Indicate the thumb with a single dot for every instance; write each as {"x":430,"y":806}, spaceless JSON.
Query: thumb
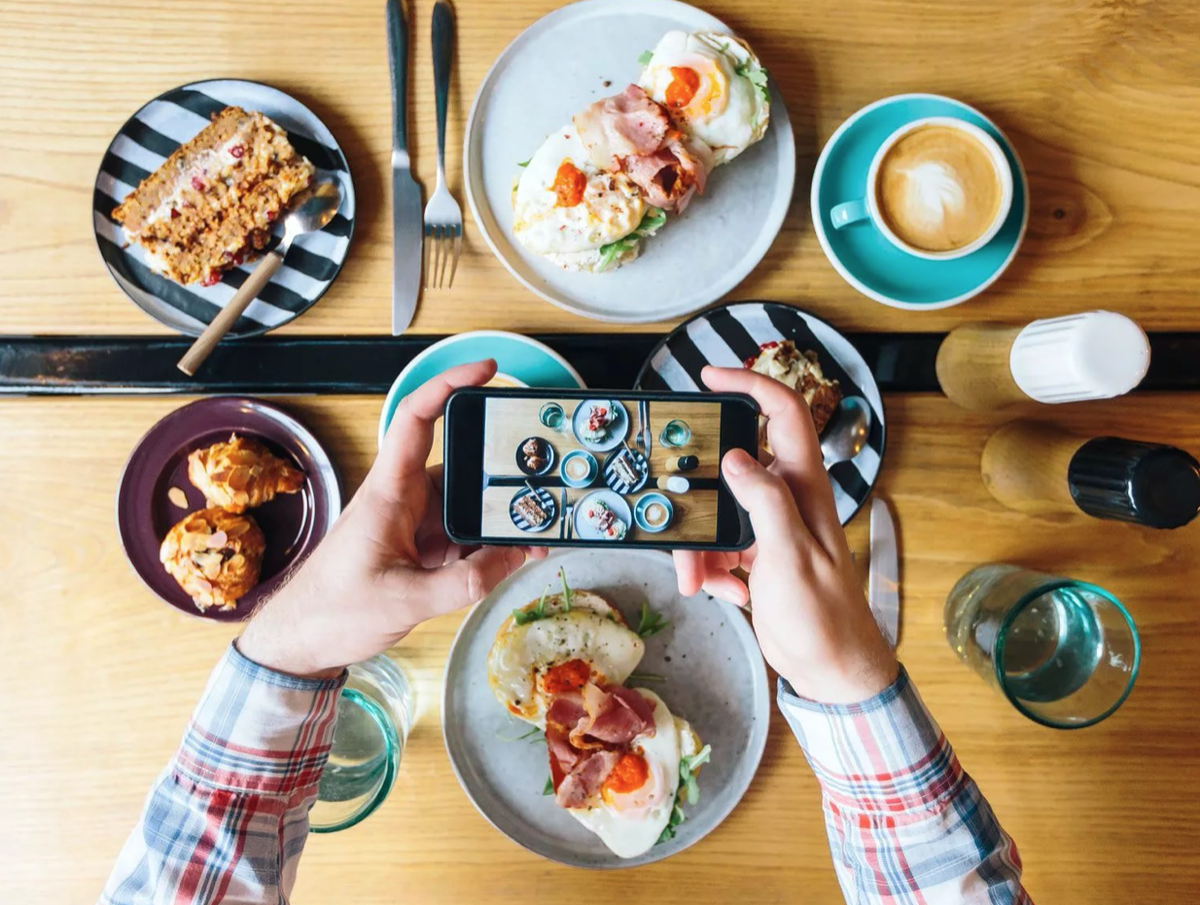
{"x":767,"y":497}
{"x":465,"y":582}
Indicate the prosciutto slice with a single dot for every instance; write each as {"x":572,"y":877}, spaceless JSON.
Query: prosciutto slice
{"x":673,"y":173}
{"x":586,"y":734}
{"x":628,"y":124}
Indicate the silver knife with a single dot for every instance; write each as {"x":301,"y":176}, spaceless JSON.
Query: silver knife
{"x":883,"y":582}
{"x":562,"y":514}
{"x":408,"y":229}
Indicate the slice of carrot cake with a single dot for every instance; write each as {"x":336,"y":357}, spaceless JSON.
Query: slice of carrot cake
{"x":212,"y":203}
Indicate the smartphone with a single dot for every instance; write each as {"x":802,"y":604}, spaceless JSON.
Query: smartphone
{"x":595,"y":468}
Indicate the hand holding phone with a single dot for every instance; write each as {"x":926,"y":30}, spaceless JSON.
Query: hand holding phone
{"x":595,"y":468}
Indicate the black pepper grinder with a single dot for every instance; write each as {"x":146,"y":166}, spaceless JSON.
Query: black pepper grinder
{"x":1043,"y":469}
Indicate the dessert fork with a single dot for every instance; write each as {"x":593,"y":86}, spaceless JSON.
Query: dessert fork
{"x":443,"y":216}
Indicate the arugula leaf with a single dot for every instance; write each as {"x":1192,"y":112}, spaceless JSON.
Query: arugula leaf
{"x":524,"y":617}
{"x":645,"y":57}
{"x":699,"y":759}
{"x":566,"y":594}
{"x":757,"y":76}
{"x":524,"y":163}
{"x":689,"y":790}
{"x":652,"y":221}
{"x":677,"y":817}
{"x":650,"y":623}
{"x":548,"y":789}
{"x":646,"y":677}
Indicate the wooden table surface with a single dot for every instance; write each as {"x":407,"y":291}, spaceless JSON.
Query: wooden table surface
{"x":1101,"y":98}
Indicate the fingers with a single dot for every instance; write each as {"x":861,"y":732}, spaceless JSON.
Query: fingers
{"x":689,"y":571}
{"x":794,"y":444}
{"x":464,"y":582}
{"x":727,"y":586}
{"x":410,"y":435}
{"x":773,"y":513}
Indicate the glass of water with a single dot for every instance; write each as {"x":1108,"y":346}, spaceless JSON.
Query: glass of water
{"x":552,"y":416}
{"x":1064,"y":652}
{"x":373,"y":718}
{"x":675,"y":433}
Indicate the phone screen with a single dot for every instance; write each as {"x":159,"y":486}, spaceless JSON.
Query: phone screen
{"x":587,"y":468}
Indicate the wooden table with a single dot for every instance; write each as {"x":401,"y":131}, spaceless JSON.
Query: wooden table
{"x":1101,"y":99}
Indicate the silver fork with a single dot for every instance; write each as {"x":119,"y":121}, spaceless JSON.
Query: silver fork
{"x":443,"y":216}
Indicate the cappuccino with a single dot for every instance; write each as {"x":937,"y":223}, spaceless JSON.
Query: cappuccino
{"x":937,"y":188}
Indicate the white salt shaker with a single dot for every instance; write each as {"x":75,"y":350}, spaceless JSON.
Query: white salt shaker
{"x":1094,"y":355}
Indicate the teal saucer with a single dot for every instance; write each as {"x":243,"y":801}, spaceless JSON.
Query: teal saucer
{"x":860,"y":253}
{"x":529,"y":361}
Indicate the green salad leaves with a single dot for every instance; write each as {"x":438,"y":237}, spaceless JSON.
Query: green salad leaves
{"x":650,"y":622}
{"x":689,"y":790}
{"x":645,"y":57}
{"x":652,"y":222}
{"x":757,"y":76}
{"x":524,"y":617}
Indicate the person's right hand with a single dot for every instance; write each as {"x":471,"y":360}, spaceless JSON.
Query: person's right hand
{"x":809,"y":612}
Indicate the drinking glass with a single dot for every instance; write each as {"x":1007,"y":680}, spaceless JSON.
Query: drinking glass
{"x":675,"y":433}
{"x":1064,"y":652}
{"x":552,"y":416}
{"x":373,"y":718}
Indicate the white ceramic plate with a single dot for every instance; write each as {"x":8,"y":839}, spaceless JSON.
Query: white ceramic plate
{"x":617,"y":428}
{"x":555,"y":68}
{"x":715,"y":679}
{"x":583,"y":526}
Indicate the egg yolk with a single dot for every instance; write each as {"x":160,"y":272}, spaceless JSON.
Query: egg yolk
{"x":630,"y":773}
{"x":568,"y":185}
{"x":684,"y":82}
{"x":566,"y":676}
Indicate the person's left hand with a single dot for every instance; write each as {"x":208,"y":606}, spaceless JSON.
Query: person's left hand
{"x":386,"y":565}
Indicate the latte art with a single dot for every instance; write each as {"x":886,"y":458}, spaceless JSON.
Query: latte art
{"x":938,"y":189}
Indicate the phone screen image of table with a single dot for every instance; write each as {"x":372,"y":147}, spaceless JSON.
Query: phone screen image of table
{"x":598,"y":470}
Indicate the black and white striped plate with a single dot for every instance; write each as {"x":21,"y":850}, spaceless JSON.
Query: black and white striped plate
{"x":545,"y":500}
{"x":636,"y":461}
{"x":149,"y":137}
{"x":728,"y":335}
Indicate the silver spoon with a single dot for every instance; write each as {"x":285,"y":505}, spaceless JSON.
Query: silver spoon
{"x":315,"y":208}
{"x":846,"y":434}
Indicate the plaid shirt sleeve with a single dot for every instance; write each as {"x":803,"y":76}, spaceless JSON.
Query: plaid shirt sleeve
{"x":227,"y":820}
{"x":905,"y":823}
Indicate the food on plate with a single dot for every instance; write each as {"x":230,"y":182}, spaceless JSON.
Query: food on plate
{"x":801,"y":371}
{"x":557,"y":643}
{"x":529,"y":508}
{"x":620,"y":762}
{"x":214,"y":555}
{"x":713,"y":87}
{"x":533,"y":452}
{"x":178,"y":498}
{"x":212,"y":204}
{"x":625,"y":470}
{"x":600,"y":417}
{"x":604,"y":519}
{"x":241,"y":474}
{"x":606,"y":180}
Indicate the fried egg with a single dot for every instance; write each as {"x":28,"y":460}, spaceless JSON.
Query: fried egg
{"x":530,"y":663}
{"x":714,"y":88}
{"x":630,"y":820}
{"x":567,"y":209}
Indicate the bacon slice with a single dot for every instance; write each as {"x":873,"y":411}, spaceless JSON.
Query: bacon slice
{"x":614,"y":717}
{"x":673,"y":173}
{"x":586,"y":778}
{"x":624,"y":125}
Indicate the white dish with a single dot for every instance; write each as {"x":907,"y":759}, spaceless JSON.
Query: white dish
{"x":693,"y":262}
{"x":715,"y":679}
{"x":584,"y":530}
{"x":617,"y":428}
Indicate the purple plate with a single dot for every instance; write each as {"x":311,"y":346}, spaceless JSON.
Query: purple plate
{"x":293,"y":524}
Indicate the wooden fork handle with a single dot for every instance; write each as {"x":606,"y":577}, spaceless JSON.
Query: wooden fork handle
{"x":227,"y":316}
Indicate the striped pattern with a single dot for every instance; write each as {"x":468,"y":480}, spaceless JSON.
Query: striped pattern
{"x":727,"y":336}
{"x":149,"y":137}
{"x":906,"y":824}
{"x":636,"y":461}
{"x":547,"y":503}
{"x":228,"y":818}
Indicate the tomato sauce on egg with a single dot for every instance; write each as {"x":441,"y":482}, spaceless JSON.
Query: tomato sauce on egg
{"x":566,"y":676}
{"x":630,"y":773}
{"x":568,"y":185}
{"x":684,"y":82}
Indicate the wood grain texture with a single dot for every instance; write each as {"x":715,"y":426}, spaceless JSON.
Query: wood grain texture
{"x":1100,"y":97}
{"x":1102,"y":100}
{"x":101,"y":678}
